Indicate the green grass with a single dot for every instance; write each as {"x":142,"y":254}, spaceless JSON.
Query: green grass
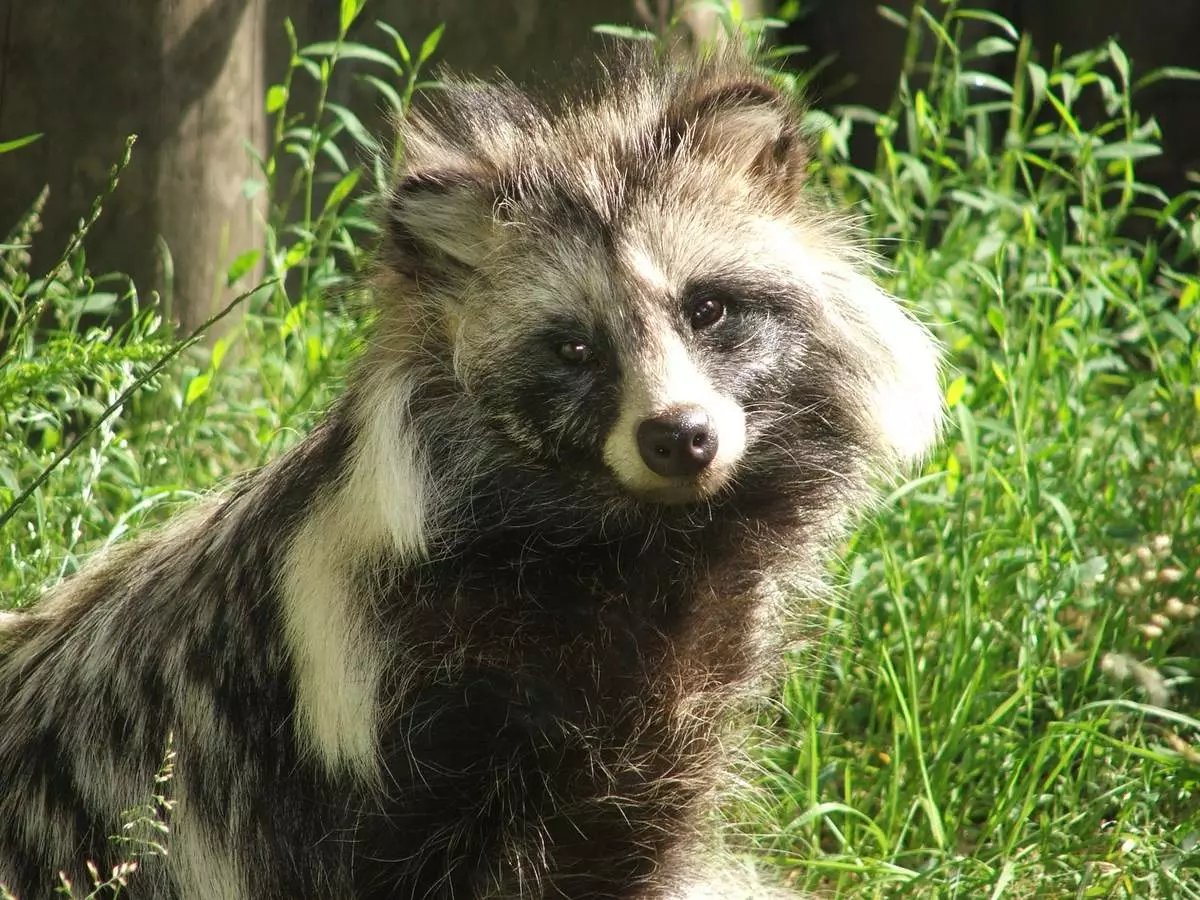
{"x":1005,"y":699}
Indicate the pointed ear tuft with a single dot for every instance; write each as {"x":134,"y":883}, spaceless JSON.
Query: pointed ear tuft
{"x":746,"y":124}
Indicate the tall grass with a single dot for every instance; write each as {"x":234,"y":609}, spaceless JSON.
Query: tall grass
{"x":1004,"y":701}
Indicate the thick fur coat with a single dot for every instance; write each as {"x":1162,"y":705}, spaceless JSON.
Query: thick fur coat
{"x":486,"y":630}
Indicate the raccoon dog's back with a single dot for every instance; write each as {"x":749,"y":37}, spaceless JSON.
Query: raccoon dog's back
{"x":484,"y":631}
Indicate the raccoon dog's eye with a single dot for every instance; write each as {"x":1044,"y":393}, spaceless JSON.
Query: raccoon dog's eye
{"x":576,"y":353}
{"x":706,"y":311}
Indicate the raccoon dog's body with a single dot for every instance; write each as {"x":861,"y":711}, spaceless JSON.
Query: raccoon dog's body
{"x":481,"y":633}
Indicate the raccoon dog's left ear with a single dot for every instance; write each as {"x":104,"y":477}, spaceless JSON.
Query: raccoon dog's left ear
{"x":746,"y":124}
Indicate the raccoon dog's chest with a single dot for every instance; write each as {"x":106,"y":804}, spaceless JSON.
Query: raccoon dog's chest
{"x":537,"y":705}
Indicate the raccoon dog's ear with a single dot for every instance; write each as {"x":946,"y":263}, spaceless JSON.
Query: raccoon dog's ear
{"x":437,"y":216}
{"x":748,"y":125}
{"x":443,"y":207}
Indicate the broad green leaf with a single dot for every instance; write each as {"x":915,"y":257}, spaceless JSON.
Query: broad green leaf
{"x":995,"y":317}
{"x":241,"y":265}
{"x":197,"y":387}
{"x":277,"y":96}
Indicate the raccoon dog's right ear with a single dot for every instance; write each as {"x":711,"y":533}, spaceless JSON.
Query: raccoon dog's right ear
{"x":456,"y":147}
{"x":439,"y":215}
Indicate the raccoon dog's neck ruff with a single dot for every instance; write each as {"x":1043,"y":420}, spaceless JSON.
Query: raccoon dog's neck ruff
{"x":485,"y":632}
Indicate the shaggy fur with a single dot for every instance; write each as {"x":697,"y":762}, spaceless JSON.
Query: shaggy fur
{"x":465,"y":640}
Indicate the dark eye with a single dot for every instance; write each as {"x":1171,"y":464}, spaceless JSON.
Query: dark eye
{"x":706,"y":311}
{"x":575,"y":353}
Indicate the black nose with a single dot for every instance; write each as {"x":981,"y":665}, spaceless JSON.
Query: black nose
{"x":678,"y":443}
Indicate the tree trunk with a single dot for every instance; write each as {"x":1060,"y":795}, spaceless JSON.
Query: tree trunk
{"x":186,"y":77}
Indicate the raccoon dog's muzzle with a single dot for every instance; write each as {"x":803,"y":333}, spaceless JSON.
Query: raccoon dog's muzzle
{"x":677,"y":438}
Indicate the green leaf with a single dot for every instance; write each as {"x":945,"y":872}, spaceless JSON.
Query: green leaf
{"x":389,"y":93}
{"x":326,"y":49}
{"x":625,"y":32}
{"x":18,"y":143}
{"x":983,"y":16}
{"x":350,"y":10}
{"x":342,"y":189}
{"x":995,"y":317}
{"x":1064,"y":515}
{"x":987,"y":81}
{"x":953,"y":474}
{"x":241,"y":265}
{"x":334,"y":152}
{"x":890,"y":15}
{"x":354,"y":125}
{"x":1167,"y":73}
{"x":98,"y":303}
{"x":993,"y":46}
{"x":218,"y":353}
{"x":401,"y":46}
{"x":1120,"y":61}
{"x":197,"y":387}
{"x":954,"y":393}
{"x":1171,"y":322}
{"x":294,"y":319}
{"x":296,"y":254}
{"x":277,"y":95}
{"x":313,"y":70}
{"x":1037,"y":81}
{"x":1127,"y":150}
{"x":430,"y":44}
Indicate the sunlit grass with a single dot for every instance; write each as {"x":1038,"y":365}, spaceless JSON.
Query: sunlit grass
{"x":1004,"y":701}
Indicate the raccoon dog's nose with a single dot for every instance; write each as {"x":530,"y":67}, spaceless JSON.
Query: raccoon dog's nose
{"x":678,"y":443}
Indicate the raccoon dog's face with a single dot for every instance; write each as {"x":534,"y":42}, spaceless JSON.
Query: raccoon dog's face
{"x":636,"y":295}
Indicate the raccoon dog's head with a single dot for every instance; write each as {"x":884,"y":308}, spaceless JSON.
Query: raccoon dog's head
{"x":634,"y":294}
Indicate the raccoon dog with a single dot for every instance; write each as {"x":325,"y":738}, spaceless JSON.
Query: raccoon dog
{"x":483,"y":632}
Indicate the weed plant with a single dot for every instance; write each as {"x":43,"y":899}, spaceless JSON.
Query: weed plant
{"x":1005,"y":700}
